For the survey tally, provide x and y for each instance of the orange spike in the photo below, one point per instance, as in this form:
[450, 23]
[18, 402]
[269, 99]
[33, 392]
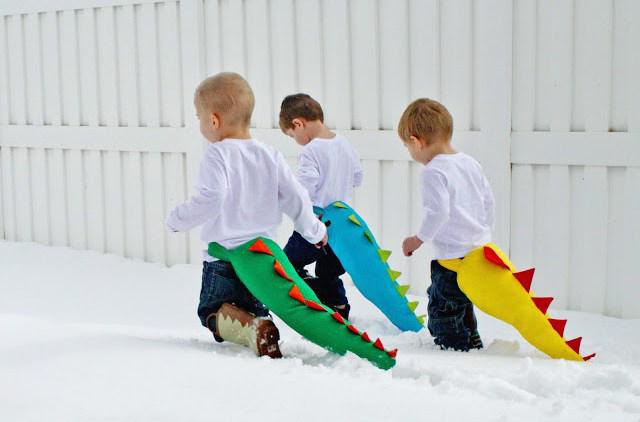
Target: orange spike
[393, 353]
[558, 325]
[586, 358]
[338, 317]
[492, 256]
[525, 277]
[280, 270]
[542, 303]
[353, 329]
[314, 305]
[365, 337]
[378, 344]
[575, 344]
[297, 294]
[260, 247]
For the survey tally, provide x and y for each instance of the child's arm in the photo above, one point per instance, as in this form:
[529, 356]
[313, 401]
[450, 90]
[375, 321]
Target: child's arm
[435, 199]
[357, 173]
[489, 204]
[294, 201]
[308, 173]
[207, 201]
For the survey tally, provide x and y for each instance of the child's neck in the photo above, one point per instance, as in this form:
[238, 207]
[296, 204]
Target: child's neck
[443, 148]
[318, 130]
[237, 133]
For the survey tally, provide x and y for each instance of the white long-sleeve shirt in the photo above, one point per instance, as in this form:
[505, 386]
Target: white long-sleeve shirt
[458, 205]
[243, 188]
[329, 169]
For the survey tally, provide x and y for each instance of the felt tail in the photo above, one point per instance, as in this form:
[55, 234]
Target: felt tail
[494, 285]
[366, 262]
[265, 270]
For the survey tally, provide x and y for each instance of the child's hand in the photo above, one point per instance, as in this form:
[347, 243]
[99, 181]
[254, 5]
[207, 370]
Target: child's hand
[323, 242]
[410, 244]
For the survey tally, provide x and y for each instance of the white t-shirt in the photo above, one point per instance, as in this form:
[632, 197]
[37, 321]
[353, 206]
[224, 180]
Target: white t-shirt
[243, 188]
[458, 205]
[329, 169]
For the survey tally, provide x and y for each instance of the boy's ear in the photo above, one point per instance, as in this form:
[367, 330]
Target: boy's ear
[215, 120]
[297, 123]
[415, 141]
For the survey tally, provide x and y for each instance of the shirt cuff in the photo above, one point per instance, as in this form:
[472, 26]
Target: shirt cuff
[318, 234]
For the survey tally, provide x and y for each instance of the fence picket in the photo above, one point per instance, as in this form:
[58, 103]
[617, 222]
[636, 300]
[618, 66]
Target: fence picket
[39, 195]
[95, 200]
[57, 186]
[33, 68]
[8, 198]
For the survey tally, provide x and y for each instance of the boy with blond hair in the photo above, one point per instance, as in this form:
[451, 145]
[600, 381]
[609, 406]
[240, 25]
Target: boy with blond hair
[458, 209]
[329, 168]
[242, 187]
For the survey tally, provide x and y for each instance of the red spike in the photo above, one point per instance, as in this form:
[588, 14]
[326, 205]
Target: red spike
[365, 337]
[542, 303]
[297, 294]
[393, 353]
[558, 325]
[353, 329]
[280, 270]
[260, 247]
[525, 277]
[586, 358]
[378, 344]
[492, 256]
[314, 305]
[575, 344]
[338, 317]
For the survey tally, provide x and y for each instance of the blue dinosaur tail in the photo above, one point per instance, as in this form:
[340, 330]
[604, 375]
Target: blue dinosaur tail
[364, 260]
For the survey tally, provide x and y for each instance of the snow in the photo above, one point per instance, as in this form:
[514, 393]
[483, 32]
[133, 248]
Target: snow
[91, 337]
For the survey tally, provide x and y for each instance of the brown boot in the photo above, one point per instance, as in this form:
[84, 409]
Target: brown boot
[238, 326]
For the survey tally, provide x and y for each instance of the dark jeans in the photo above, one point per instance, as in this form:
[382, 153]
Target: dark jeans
[452, 321]
[327, 285]
[220, 284]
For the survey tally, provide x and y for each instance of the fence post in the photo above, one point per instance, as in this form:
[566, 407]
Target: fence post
[193, 69]
[494, 57]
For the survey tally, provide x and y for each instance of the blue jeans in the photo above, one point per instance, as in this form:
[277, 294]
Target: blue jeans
[327, 285]
[452, 321]
[220, 284]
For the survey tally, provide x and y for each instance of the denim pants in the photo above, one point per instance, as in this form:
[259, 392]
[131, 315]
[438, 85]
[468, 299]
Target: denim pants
[327, 285]
[452, 321]
[220, 284]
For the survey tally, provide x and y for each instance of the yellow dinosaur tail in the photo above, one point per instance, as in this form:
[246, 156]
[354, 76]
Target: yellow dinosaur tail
[492, 283]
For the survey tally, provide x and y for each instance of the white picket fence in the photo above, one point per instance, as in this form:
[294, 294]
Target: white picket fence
[98, 137]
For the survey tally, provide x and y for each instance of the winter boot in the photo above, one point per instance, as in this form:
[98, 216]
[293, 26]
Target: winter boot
[238, 326]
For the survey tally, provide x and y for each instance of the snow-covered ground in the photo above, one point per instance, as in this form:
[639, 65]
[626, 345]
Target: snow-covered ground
[89, 337]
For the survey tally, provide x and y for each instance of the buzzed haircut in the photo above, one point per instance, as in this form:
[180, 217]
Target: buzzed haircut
[427, 120]
[297, 106]
[227, 94]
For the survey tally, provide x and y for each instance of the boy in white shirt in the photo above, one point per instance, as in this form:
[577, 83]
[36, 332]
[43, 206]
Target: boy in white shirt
[242, 187]
[458, 217]
[329, 168]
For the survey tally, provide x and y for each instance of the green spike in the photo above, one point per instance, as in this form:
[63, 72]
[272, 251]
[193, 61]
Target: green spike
[394, 274]
[354, 219]
[384, 254]
[402, 289]
[421, 319]
[339, 205]
[369, 236]
[412, 305]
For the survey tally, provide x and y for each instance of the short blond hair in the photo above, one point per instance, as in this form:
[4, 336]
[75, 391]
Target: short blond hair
[229, 95]
[427, 120]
